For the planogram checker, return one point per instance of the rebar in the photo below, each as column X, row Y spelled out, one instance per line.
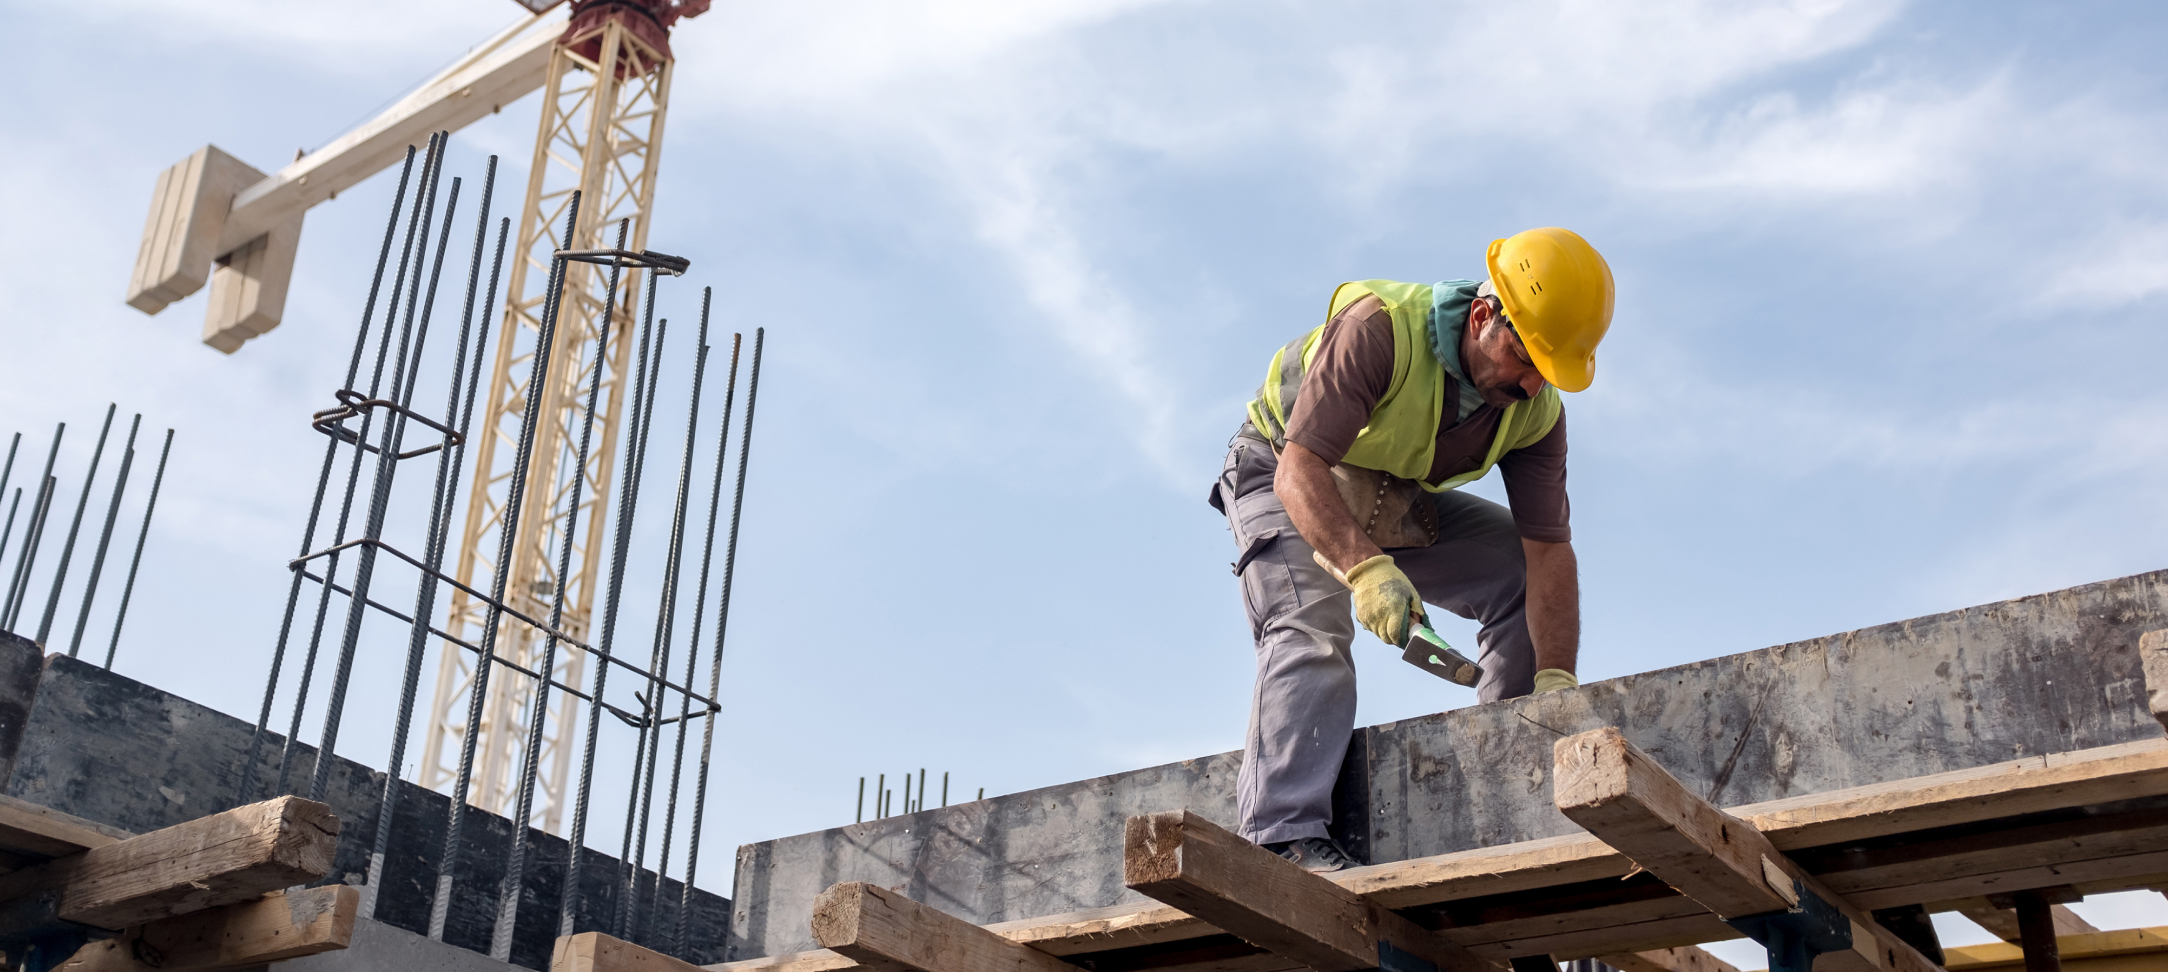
column 628, row 494
column 508, row 537
column 105, row 536
column 247, row 784
column 643, row 782
column 32, row 534
column 127, row 590
column 8, row 533
column 722, row 622
column 75, row 526
column 424, row 202
column 515, row 870
column 391, row 439
column 449, row 462
column 7, row 473
column 700, row 603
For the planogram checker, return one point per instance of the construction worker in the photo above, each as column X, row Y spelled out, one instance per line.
column 1340, row 488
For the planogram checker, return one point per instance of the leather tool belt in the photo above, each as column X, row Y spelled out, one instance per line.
column 1392, row 511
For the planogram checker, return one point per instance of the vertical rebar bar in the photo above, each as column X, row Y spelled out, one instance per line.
column 643, row 781
column 7, row 472
column 880, row 793
column 450, row 459
column 32, row 534
column 507, row 538
column 722, row 623
column 105, row 536
column 424, row 201
column 700, row 603
column 247, row 785
column 120, row 614
column 8, row 533
column 515, row 867
column 861, row 817
column 75, row 526
column 944, row 788
column 628, row 495
column 389, row 443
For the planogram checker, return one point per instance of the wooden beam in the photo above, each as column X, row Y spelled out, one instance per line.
column 1260, row 897
column 1683, row 959
column 2127, row 950
column 2002, row 922
column 887, row 932
column 278, row 926
column 597, row 952
column 1619, row 794
column 1972, row 795
column 27, row 828
column 222, row 859
column 2153, row 658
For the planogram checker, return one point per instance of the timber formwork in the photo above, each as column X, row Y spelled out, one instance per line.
column 1639, row 863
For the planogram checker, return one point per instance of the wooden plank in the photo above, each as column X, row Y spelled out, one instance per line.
column 2046, row 849
column 597, row 952
column 1616, row 791
column 2153, row 656
column 222, row 859
column 887, row 932
column 2120, row 772
column 278, row 926
column 1262, row 898
column 31, row 831
column 2016, row 787
column 2002, row 922
column 2100, row 951
column 1685, row 958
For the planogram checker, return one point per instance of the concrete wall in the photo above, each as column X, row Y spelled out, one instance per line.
column 2036, row 675
column 110, row 749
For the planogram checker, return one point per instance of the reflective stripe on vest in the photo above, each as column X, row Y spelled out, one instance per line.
column 1402, row 437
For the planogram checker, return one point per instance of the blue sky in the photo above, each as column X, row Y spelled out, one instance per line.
column 1888, row 275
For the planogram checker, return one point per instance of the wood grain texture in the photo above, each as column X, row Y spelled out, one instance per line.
column 883, row 930
column 1193, row 864
column 226, row 858
column 31, row 831
column 1965, row 796
column 1616, row 791
column 2153, row 656
column 278, row 926
column 2002, row 922
column 597, row 952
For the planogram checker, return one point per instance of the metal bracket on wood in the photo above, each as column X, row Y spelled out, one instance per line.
column 1795, row 937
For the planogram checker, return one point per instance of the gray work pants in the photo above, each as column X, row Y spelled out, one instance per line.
column 1303, row 711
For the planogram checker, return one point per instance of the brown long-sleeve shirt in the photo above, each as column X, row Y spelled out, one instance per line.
column 1352, row 370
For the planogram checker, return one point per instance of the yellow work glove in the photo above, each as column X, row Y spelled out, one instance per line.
column 1555, row 679
column 1384, row 597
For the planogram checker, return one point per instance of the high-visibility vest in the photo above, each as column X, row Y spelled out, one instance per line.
column 1402, row 437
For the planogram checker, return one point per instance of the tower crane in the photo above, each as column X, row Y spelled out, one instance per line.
column 605, row 68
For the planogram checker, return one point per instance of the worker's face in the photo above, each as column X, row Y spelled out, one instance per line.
column 1499, row 366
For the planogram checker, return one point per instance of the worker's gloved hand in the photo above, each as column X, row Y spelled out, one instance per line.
column 1555, row 679
column 1384, row 598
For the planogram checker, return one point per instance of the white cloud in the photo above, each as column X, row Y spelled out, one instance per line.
column 2122, row 265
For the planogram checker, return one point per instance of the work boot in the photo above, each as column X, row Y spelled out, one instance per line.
column 1318, row 854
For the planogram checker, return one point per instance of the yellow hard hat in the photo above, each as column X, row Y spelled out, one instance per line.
column 1557, row 292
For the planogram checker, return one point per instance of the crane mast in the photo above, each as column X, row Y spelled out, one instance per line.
column 606, row 96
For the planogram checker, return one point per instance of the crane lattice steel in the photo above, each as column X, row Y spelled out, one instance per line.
column 605, row 72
